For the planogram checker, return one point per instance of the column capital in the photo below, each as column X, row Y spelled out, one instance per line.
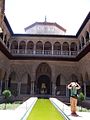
column 32, row 81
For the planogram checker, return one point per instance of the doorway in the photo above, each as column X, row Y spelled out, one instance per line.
column 43, row 84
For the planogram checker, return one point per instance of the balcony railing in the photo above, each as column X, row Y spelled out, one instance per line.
column 43, row 52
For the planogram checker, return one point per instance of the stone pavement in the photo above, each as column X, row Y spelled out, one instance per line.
column 14, row 114
column 10, row 115
column 66, row 109
column 82, row 116
column 19, row 112
column 7, row 115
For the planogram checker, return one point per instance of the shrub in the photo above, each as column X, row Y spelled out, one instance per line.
column 7, row 95
column 81, row 98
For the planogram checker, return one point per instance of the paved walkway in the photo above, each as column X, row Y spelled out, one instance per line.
column 12, row 115
column 67, row 111
column 20, row 112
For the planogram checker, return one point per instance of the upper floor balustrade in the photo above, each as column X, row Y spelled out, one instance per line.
column 44, row 52
column 48, row 48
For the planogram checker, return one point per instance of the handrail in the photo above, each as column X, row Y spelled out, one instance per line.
column 43, row 52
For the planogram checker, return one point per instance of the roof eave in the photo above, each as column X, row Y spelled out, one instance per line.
column 83, row 24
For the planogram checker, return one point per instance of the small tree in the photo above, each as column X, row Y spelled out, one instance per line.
column 7, row 95
column 81, row 98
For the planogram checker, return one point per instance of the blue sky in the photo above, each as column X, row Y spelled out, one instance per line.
column 68, row 13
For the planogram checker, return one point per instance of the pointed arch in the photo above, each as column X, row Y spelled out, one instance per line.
column 2, row 79
column 81, row 79
column 43, row 77
column 2, row 73
column 43, row 68
column 12, row 83
column 60, row 85
column 82, row 83
column 25, row 84
column 87, row 82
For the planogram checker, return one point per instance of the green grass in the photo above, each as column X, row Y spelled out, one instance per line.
column 44, row 110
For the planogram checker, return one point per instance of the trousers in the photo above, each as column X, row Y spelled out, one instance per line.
column 73, row 103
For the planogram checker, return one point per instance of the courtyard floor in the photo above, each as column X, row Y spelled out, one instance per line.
column 11, row 114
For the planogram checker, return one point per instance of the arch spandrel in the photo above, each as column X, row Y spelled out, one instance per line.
column 2, row 73
column 43, row 68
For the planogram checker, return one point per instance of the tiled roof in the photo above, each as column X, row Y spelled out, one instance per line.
column 46, row 23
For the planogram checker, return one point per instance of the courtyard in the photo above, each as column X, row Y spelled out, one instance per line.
column 20, row 110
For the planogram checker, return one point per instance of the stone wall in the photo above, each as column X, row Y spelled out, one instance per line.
column 4, row 63
column 84, row 66
column 23, row 68
column 19, row 71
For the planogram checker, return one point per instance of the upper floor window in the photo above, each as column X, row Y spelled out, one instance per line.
column 87, row 36
column 79, row 45
column 73, row 46
column 47, row 46
column 82, row 41
column 39, row 45
column 22, row 45
column 57, row 46
column 14, row 45
column 65, row 46
column 30, row 45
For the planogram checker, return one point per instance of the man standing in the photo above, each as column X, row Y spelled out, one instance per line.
column 73, row 86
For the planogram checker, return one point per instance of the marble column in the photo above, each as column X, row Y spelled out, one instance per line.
column 6, row 84
column 61, row 49
column 34, row 52
column 85, row 89
column 0, row 86
column 67, row 91
column 32, row 87
column 53, row 88
column 19, row 87
column 33, row 77
column 53, row 80
column 52, row 49
column 85, row 42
